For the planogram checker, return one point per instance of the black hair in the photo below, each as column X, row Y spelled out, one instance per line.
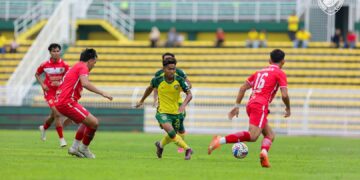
column 53, row 46
column 169, row 60
column 277, row 55
column 167, row 54
column 88, row 54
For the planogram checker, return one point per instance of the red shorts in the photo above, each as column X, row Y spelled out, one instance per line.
column 50, row 97
column 257, row 114
column 73, row 110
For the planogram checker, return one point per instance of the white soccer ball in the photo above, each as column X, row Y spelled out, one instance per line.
column 240, row 150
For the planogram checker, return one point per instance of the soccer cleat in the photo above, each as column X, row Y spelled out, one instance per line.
column 214, row 144
column 75, row 152
column 62, row 142
column 159, row 150
column 188, row 154
column 86, row 152
column 264, row 159
column 180, row 150
column 43, row 132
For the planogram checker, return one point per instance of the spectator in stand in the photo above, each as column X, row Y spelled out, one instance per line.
column 220, row 37
column 262, row 39
column 337, row 39
column 179, row 40
column 154, row 36
column 351, row 40
column 2, row 44
column 302, row 38
column 252, row 41
column 172, row 37
column 293, row 26
column 13, row 46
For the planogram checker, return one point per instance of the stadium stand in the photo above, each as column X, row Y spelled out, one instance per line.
column 225, row 67
column 8, row 63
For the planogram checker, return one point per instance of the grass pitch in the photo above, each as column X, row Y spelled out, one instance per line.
column 132, row 156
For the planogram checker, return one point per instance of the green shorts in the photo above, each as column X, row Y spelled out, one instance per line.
column 177, row 121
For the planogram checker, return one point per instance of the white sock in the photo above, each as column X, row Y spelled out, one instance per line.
column 264, row 150
column 76, row 144
column 222, row 140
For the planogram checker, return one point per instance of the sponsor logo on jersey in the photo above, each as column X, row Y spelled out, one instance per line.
column 58, row 70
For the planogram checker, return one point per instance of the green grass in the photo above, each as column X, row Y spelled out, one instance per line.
column 132, row 156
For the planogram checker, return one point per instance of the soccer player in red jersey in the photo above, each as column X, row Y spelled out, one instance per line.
column 54, row 70
column 264, row 85
column 67, row 96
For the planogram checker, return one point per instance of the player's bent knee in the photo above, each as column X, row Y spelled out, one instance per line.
column 91, row 121
column 172, row 134
column 95, row 123
column 254, row 136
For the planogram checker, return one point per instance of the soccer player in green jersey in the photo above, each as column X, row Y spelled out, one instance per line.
column 182, row 74
column 169, row 113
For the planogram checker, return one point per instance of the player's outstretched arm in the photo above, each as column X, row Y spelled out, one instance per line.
column 286, row 99
column 186, row 101
column 147, row 92
column 87, row 85
column 235, row 110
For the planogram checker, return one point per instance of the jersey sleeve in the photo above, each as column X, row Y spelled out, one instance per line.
column 282, row 79
column 154, row 83
column 251, row 79
column 184, row 85
column 83, row 71
column 158, row 73
column 181, row 73
column 40, row 69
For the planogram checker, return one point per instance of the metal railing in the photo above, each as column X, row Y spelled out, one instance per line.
column 209, row 10
column 107, row 11
column 10, row 10
column 41, row 11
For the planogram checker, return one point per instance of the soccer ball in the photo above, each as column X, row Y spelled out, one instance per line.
column 240, row 150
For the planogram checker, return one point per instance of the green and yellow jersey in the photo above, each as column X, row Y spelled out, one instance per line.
column 169, row 93
column 178, row 72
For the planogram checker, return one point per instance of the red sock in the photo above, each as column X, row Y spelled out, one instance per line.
column 88, row 136
column 238, row 137
column 266, row 143
column 59, row 130
column 80, row 132
column 46, row 125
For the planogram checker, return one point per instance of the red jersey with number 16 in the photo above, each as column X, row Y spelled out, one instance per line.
column 70, row 88
column 265, row 84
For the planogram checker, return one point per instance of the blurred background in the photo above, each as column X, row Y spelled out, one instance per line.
column 217, row 43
